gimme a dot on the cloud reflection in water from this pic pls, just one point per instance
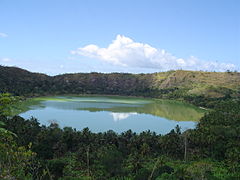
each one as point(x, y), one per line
point(121, 116)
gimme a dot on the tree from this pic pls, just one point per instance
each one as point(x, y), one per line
point(14, 159)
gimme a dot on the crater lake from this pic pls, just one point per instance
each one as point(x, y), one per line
point(117, 113)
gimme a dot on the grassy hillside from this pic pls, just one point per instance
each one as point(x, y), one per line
point(210, 84)
point(196, 87)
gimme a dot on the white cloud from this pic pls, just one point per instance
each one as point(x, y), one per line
point(124, 52)
point(3, 35)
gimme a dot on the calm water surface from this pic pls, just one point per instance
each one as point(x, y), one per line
point(100, 113)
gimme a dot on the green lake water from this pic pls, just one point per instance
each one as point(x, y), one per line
point(103, 113)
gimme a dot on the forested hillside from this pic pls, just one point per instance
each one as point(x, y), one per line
point(31, 151)
point(200, 88)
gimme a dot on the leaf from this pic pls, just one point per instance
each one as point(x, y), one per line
point(2, 123)
point(3, 130)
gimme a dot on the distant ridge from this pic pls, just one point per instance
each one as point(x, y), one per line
point(170, 84)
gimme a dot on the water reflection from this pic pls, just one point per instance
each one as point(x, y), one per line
point(116, 113)
point(121, 107)
point(121, 116)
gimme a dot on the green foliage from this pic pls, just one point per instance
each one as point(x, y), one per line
point(212, 150)
point(13, 159)
point(6, 103)
point(56, 167)
point(142, 174)
point(219, 127)
point(111, 159)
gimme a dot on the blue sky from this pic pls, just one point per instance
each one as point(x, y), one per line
point(63, 36)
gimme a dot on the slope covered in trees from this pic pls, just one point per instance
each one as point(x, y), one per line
point(211, 151)
point(200, 88)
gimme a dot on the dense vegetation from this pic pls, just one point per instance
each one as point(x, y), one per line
point(30, 151)
point(211, 151)
point(200, 88)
